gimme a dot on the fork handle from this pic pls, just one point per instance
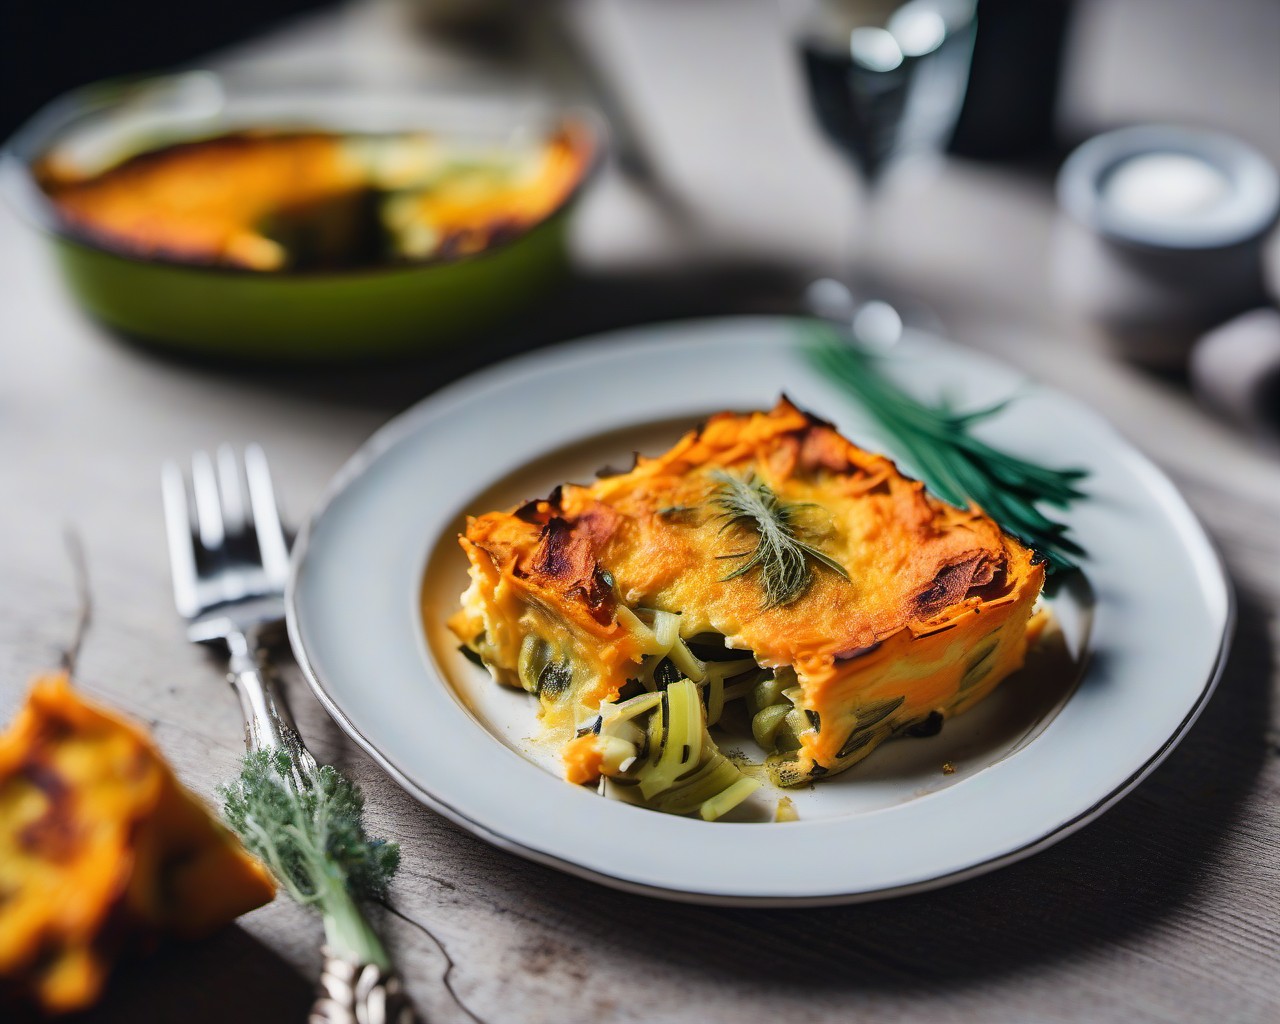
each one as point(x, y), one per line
point(267, 721)
point(352, 992)
point(355, 993)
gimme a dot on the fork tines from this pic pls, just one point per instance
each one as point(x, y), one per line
point(222, 547)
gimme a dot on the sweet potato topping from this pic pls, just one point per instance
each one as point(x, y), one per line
point(101, 847)
point(582, 759)
point(924, 611)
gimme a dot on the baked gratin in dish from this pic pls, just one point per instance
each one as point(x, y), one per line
point(284, 222)
point(273, 200)
point(766, 568)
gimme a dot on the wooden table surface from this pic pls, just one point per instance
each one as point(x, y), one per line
point(1165, 909)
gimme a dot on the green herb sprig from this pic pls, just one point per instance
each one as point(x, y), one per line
point(305, 823)
point(957, 466)
point(780, 555)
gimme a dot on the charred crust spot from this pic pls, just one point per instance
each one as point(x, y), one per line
point(538, 511)
point(953, 582)
point(531, 512)
point(564, 556)
point(599, 596)
point(45, 778)
point(997, 585)
point(54, 834)
point(552, 557)
point(814, 420)
point(610, 470)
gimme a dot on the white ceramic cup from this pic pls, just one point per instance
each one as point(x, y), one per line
point(1162, 235)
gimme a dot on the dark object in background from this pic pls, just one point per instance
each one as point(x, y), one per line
point(1010, 110)
point(48, 48)
point(864, 109)
point(885, 80)
point(1235, 370)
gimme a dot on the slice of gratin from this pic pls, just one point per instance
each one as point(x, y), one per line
point(102, 850)
point(573, 597)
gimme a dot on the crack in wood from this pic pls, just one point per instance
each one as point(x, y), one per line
point(448, 960)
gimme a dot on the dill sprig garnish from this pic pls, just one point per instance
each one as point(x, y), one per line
point(780, 555)
point(955, 465)
point(305, 822)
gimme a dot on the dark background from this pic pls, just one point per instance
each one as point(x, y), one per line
point(49, 46)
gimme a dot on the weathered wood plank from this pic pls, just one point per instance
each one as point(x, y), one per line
point(1166, 909)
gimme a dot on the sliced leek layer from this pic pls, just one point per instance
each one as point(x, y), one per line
point(654, 750)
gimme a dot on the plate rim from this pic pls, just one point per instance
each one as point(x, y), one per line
point(406, 422)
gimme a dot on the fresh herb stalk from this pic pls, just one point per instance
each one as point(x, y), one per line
point(305, 823)
point(957, 466)
point(345, 929)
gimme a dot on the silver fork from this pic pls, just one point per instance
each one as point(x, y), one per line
point(230, 560)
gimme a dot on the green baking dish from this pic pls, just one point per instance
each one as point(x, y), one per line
point(288, 315)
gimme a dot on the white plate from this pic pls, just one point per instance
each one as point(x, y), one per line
point(1045, 757)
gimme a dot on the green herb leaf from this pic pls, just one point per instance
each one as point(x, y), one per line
point(305, 823)
point(780, 555)
point(956, 466)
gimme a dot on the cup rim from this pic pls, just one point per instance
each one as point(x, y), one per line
point(1250, 212)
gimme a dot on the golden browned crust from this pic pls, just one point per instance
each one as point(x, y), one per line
point(928, 583)
point(101, 846)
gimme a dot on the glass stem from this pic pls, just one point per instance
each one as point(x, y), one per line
point(860, 273)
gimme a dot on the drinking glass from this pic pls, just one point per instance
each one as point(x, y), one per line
point(885, 79)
